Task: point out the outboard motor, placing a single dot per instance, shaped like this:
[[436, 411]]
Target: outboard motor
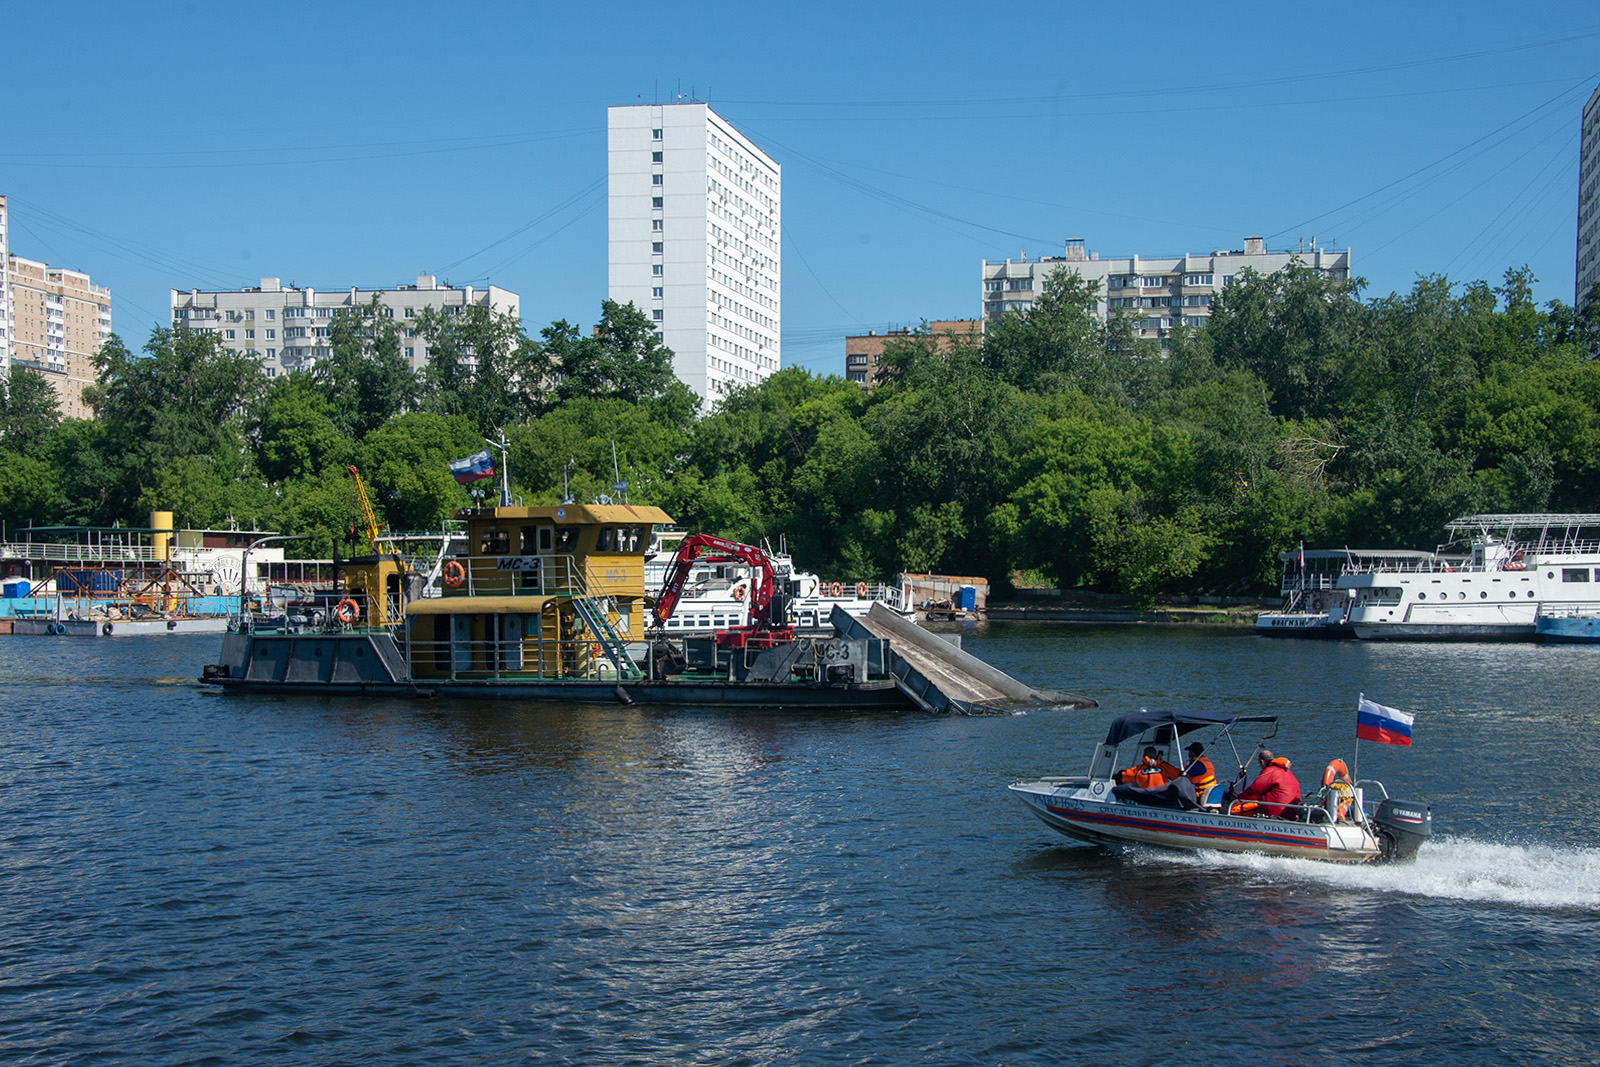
[[1402, 826]]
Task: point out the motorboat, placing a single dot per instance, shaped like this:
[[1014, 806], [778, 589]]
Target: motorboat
[[1516, 565], [1336, 824]]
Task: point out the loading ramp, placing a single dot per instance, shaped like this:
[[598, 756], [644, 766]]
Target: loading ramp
[[938, 676]]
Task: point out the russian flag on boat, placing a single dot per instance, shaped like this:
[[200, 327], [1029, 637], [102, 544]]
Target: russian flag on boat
[[473, 468], [1388, 726]]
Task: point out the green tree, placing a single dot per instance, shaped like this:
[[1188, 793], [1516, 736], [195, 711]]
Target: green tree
[[481, 366], [366, 377], [183, 397], [296, 431], [28, 412], [1295, 329], [623, 359]]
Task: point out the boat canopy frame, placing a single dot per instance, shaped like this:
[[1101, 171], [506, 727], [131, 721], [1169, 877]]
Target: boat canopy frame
[[1167, 727]]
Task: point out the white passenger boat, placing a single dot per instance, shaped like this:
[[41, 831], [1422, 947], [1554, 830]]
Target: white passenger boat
[[1515, 564], [1335, 825], [1313, 605]]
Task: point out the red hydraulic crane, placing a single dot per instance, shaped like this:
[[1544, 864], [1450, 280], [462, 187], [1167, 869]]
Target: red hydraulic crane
[[706, 548]]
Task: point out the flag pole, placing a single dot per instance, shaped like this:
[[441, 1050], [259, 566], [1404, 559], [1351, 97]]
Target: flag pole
[[1355, 771]]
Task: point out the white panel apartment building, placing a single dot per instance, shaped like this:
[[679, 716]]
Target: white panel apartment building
[[694, 240], [288, 328], [1158, 293], [52, 320], [1588, 201]]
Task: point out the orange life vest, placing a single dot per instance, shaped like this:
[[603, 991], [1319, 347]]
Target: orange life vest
[[1150, 773], [1203, 775]]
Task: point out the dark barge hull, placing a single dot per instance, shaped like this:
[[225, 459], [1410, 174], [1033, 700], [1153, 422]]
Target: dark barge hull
[[679, 692], [371, 664]]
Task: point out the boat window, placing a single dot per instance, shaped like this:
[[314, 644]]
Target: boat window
[[566, 538], [1574, 574], [495, 543], [604, 543], [1422, 596], [546, 538]]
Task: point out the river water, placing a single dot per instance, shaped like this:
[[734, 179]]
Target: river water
[[187, 877]]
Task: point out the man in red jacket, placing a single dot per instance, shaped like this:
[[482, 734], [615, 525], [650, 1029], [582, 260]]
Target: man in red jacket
[[1273, 788]]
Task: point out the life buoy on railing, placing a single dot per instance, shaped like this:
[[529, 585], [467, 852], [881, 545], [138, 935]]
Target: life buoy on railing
[[861, 590], [348, 611], [836, 589], [738, 592], [454, 573]]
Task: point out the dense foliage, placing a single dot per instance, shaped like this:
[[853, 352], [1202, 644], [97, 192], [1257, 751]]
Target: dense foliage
[[1057, 445]]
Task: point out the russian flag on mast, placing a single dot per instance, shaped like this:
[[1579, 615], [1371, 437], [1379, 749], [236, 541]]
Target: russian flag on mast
[[473, 468], [1388, 726]]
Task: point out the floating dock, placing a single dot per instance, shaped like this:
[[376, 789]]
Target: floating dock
[[936, 675]]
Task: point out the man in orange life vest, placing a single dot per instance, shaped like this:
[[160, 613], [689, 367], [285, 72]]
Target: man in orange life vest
[[1152, 772], [1200, 771], [1274, 787]]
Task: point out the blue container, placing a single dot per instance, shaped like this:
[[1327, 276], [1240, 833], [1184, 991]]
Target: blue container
[[968, 599], [14, 589]]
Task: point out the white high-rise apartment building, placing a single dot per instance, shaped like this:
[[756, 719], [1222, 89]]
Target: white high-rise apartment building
[[1159, 293], [1588, 201], [694, 231], [288, 328]]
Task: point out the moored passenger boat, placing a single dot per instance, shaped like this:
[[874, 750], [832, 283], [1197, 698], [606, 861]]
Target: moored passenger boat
[[1515, 563]]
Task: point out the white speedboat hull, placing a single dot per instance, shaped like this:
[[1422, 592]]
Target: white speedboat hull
[[1087, 811]]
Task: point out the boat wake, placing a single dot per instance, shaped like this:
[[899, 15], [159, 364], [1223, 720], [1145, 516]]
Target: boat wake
[[1447, 868]]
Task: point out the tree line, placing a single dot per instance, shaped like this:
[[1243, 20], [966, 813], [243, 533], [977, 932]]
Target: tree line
[[1057, 447]]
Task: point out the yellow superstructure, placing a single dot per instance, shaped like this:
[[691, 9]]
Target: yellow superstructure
[[548, 591]]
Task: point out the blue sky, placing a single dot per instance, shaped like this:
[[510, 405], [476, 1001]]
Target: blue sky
[[173, 145]]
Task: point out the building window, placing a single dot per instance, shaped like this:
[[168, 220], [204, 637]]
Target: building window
[[655, 247], [271, 314], [656, 292], [411, 353], [655, 179], [993, 286], [655, 201], [1019, 283], [655, 134], [655, 157], [249, 335], [656, 270], [655, 224], [228, 334], [1197, 279], [658, 314], [410, 312]]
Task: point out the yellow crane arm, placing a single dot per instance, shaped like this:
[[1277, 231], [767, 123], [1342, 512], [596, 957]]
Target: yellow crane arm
[[369, 520]]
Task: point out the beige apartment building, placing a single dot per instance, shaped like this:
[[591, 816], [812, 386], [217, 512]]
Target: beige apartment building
[[52, 320], [1157, 293], [862, 352], [289, 328]]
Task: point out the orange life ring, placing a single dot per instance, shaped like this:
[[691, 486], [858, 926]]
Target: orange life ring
[[861, 590], [837, 589], [1334, 772], [454, 573], [348, 611], [738, 592]]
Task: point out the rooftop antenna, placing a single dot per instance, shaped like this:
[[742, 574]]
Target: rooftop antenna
[[566, 494], [619, 487]]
